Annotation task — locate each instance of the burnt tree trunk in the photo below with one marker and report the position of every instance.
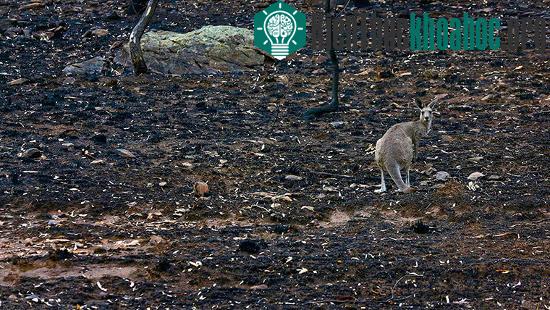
(334, 104)
(136, 54)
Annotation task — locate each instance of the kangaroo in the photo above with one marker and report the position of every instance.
(398, 147)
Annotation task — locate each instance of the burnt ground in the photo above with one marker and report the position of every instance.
(83, 224)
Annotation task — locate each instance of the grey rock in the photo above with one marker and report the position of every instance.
(32, 153)
(292, 177)
(210, 50)
(474, 176)
(442, 176)
(90, 68)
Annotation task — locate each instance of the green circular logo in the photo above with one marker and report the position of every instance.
(280, 30)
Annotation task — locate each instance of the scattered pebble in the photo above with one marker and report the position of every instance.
(442, 176)
(292, 177)
(32, 153)
(100, 32)
(475, 176)
(187, 166)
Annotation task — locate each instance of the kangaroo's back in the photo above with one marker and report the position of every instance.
(395, 147)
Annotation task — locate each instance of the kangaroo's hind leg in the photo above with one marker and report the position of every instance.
(382, 183)
(408, 182)
(395, 172)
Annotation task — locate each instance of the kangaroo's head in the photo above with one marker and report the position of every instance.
(426, 114)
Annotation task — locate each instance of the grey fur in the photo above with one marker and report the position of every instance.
(397, 149)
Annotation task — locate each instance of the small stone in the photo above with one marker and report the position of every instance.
(126, 153)
(32, 153)
(292, 177)
(187, 166)
(201, 189)
(475, 176)
(156, 240)
(494, 177)
(284, 79)
(90, 68)
(442, 176)
(337, 124)
(162, 184)
(97, 162)
(100, 32)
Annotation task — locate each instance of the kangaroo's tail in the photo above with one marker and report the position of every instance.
(395, 174)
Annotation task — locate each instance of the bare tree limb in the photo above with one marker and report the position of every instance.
(136, 54)
(334, 105)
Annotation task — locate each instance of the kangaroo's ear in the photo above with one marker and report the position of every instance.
(418, 103)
